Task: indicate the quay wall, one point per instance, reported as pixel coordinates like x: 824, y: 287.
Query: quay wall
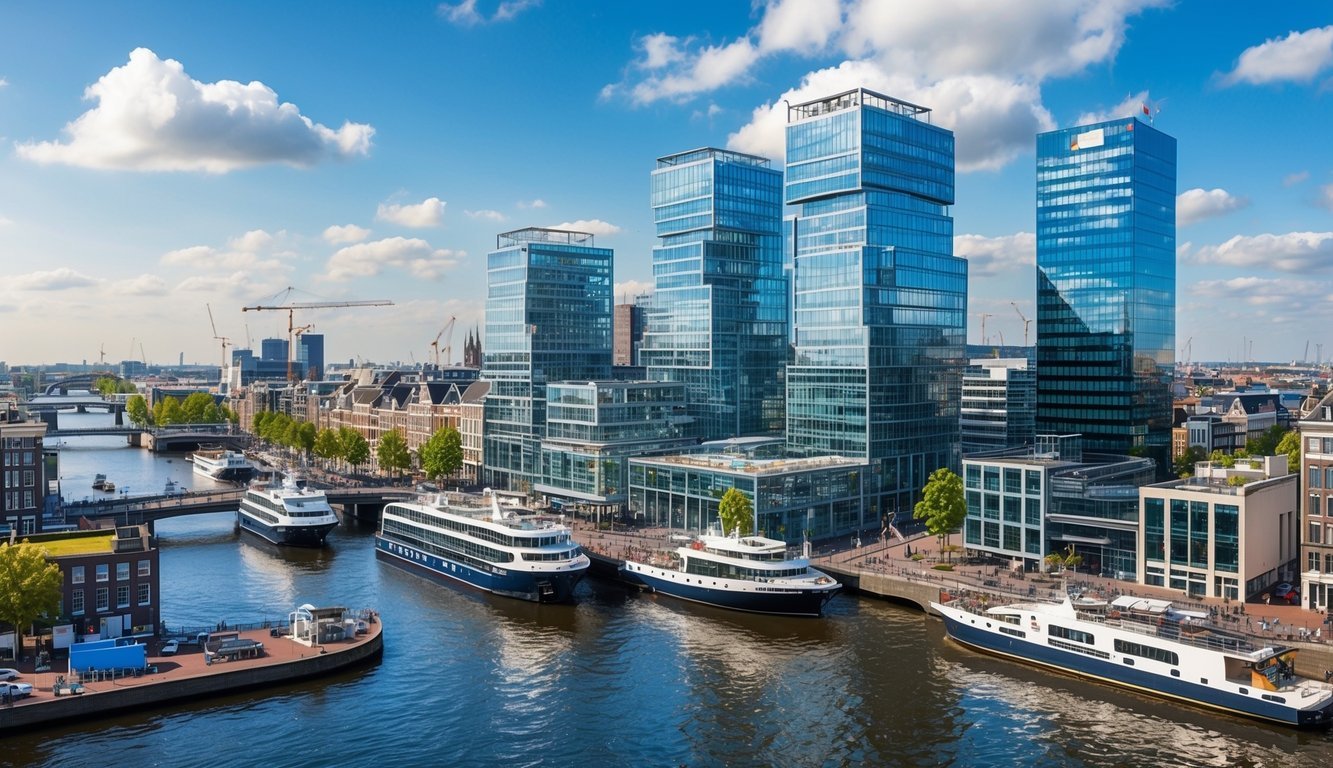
x: 146, y: 695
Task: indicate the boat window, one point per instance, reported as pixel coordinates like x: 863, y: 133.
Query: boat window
x: 1245, y: 691
x: 1271, y: 697
x: 1203, y: 680
x: 1147, y: 652
x: 1076, y: 635
x: 1014, y: 632
x: 1175, y: 673
x: 1130, y: 662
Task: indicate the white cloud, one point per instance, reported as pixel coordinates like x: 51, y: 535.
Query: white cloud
x: 591, y: 226
x: 152, y: 116
x: 1290, y: 252
x: 345, y: 233
x: 4, y: 222
x: 465, y: 13
x: 538, y: 203
x: 1131, y: 106
x: 1195, y: 205
x: 659, y: 50
x: 427, y: 213
x: 415, y: 255
x: 242, y: 283
x: 55, y: 280
x: 3, y: 82
x: 1326, y: 196
x: 143, y: 285
x: 710, y: 69
x: 251, y: 251
x: 252, y: 241
x: 627, y: 290
x: 488, y: 215
x: 995, y: 255
x: 1299, y: 56
x: 1292, y: 179
x: 993, y: 120
x: 803, y: 26
x: 1250, y: 293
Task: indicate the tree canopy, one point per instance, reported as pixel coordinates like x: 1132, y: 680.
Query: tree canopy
x: 735, y: 512
x: 1183, y: 465
x: 137, y: 409
x: 355, y: 449
x: 1290, y: 444
x: 392, y: 453
x: 942, y: 506
x: 29, y: 586
x: 442, y: 455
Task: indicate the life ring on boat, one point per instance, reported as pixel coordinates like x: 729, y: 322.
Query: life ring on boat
x: 696, y: 545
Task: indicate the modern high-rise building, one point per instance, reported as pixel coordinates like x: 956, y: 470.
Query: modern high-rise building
x: 309, y: 363
x: 548, y: 319
x: 718, y: 318
x: 628, y: 322
x: 880, y: 299
x: 999, y: 404
x: 1106, y: 286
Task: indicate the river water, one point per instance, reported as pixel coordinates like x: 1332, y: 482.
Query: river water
x: 615, y: 680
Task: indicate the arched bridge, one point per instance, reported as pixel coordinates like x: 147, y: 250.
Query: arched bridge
x: 83, y: 380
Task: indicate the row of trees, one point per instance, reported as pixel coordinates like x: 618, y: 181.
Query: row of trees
x: 1272, y: 442
x: 439, y: 457
x: 109, y: 385
x: 197, y: 408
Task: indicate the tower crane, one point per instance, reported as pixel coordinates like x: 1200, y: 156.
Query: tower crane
x: 291, y: 307
x: 1026, y: 322
x: 448, y: 342
x: 225, y: 341
x: 983, y: 316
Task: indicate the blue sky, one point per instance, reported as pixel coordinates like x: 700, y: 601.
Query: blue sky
x: 157, y: 159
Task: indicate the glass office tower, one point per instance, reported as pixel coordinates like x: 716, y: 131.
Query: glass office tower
x: 880, y: 299
x: 548, y: 319
x: 1106, y: 286
x: 718, y: 320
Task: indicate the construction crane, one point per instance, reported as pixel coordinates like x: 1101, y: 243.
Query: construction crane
x: 290, y: 309
x: 225, y: 341
x: 983, y: 316
x: 448, y: 342
x: 1026, y: 322
x: 1185, y: 353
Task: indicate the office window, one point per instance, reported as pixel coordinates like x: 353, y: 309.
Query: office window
x: 103, y: 599
x: 76, y: 574
x: 103, y: 572
x: 145, y: 594
x: 122, y: 571
x: 145, y: 567
x: 76, y: 603
x: 123, y: 596
x: 1316, y: 533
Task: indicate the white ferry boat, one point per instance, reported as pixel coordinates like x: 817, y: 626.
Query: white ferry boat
x: 287, y: 513
x: 219, y: 464
x: 508, y: 551
x: 1149, y: 646
x: 744, y: 573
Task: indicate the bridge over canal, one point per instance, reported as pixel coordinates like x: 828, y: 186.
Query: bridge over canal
x: 361, y: 502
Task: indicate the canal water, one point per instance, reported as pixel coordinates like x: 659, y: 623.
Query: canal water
x: 616, y: 680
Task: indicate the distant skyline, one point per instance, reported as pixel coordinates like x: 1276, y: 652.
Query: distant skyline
x: 158, y: 158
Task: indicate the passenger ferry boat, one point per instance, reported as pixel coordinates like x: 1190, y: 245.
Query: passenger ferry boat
x: 511, y: 552
x: 220, y: 464
x: 1149, y: 646
x: 744, y: 573
x: 286, y: 513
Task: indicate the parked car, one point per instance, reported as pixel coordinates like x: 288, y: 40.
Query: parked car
x: 1287, y: 593
x: 15, y: 690
x: 169, y: 648
x: 9, y: 674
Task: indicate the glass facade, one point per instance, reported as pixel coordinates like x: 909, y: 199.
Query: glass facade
x: 718, y: 319
x: 1106, y: 286
x: 880, y: 301
x: 548, y: 319
x: 592, y: 428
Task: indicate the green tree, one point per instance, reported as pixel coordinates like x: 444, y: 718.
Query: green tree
x: 392, y: 453
x: 167, y: 411
x: 1183, y: 465
x: 1290, y: 444
x: 1067, y: 560
x: 137, y: 409
x: 735, y: 512
x: 1222, y: 459
x: 194, y: 407
x: 305, y: 437
x: 29, y: 586
x: 442, y: 454
x: 327, y: 445
x: 355, y: 450
x: 942, y: 504
x: 106, y: 385
x: 1267, y: 442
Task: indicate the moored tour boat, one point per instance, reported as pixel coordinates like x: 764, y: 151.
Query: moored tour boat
x: 287, y: 513
x: 220, y: 464
x: 1149, y: 646
x: 744, y: 573
x: 510, y: 551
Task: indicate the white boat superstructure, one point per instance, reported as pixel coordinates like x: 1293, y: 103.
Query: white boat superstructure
x: 287, y: 513
x: 1151, y: 646
x: 220, y: 464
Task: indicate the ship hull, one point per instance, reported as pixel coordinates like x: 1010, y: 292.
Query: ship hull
x: 539, y: 587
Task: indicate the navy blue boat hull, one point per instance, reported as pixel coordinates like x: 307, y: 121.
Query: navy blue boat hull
x: 287, y: 535
x: 547, y: 587
x: 1134, y: 679
x: 785, y: 602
